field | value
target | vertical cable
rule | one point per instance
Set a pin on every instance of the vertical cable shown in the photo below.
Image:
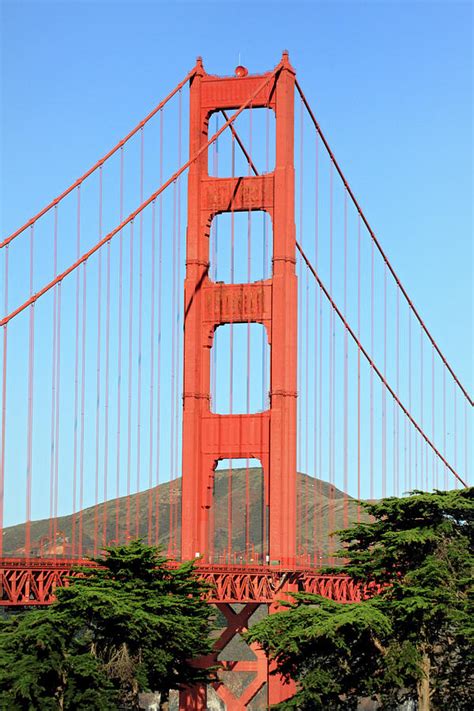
(119, 358)
(421, 407)
(384, 391)
(173, 376)
(346, 378)
(372, 303)
(320, 409)
(433, 405)
(249, 248)
(396, 443)
(58, 381)
(158, 356)
(29, 436)
(331, 366)
(152, 373)
(409, 403)
(76, 376)
(231, 365)
(299, 483)
(53, 384)
(306, 471)
(317, 535)
(140, 338)
(358, 369)
(466, 447)
(179, 333)
(98, 378)
(4, 401)
(130, 380)
(444, 428)
(106, 410)
(83, 405)
(316, 425)
(455, 433)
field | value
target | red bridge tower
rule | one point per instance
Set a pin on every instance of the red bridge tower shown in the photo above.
(269, 436)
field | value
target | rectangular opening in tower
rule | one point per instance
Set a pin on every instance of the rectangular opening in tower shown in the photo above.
(240, 369)
(254, 134)
(238, 518)
(241, 247)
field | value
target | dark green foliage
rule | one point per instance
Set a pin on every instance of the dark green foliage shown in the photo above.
(325, 645)
(128, 626)
(414, 639)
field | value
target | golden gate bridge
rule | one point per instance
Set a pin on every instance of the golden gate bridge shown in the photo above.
(205, 345)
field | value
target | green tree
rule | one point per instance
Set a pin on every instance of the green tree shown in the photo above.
(130, 625)
(412, 640)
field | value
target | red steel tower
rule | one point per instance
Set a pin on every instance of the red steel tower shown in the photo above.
(269, 436)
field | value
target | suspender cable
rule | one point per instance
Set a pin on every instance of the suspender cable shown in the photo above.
(358, 370)
(4, 401)
(317, 490)
(214, 257)
(76, 378)
(376, 370)
(396, 444)
(106, 410)
(98, 378)
(249, 261)
(421, 405)
(346, 380)
(130, 380)
(299, 465)
(410, 459)
(158, 357)
(372, 302)
(152, 374)
(119, 358)
(29, 429)
(58, 382)
(434, 482)
(379, 247)
(331, 367)
(53, 383)
(173, 376)
(119, 147)
(80, 260)
(83, 406)
(315, 426)
(455, 430)
(444, 428)
(384, 392)
(306, 470)
(179, 326)
(231, 363)
(140, 338)
(466, 446)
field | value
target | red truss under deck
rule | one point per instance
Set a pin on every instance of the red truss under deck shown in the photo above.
(34, 582)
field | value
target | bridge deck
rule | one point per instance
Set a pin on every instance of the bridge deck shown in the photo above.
(34, 582)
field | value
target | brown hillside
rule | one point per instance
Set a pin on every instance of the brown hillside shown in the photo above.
(313, 517)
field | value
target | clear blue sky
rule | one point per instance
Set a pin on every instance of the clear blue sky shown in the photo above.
(391, 84)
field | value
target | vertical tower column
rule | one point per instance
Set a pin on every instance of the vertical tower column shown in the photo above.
(269, 436)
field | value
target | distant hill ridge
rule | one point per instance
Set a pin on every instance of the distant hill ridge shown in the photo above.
(313, 499)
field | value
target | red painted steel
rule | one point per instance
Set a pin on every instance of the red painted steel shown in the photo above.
(269, 436)
(33, 582)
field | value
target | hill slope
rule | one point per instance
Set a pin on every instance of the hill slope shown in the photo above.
(315, 514)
